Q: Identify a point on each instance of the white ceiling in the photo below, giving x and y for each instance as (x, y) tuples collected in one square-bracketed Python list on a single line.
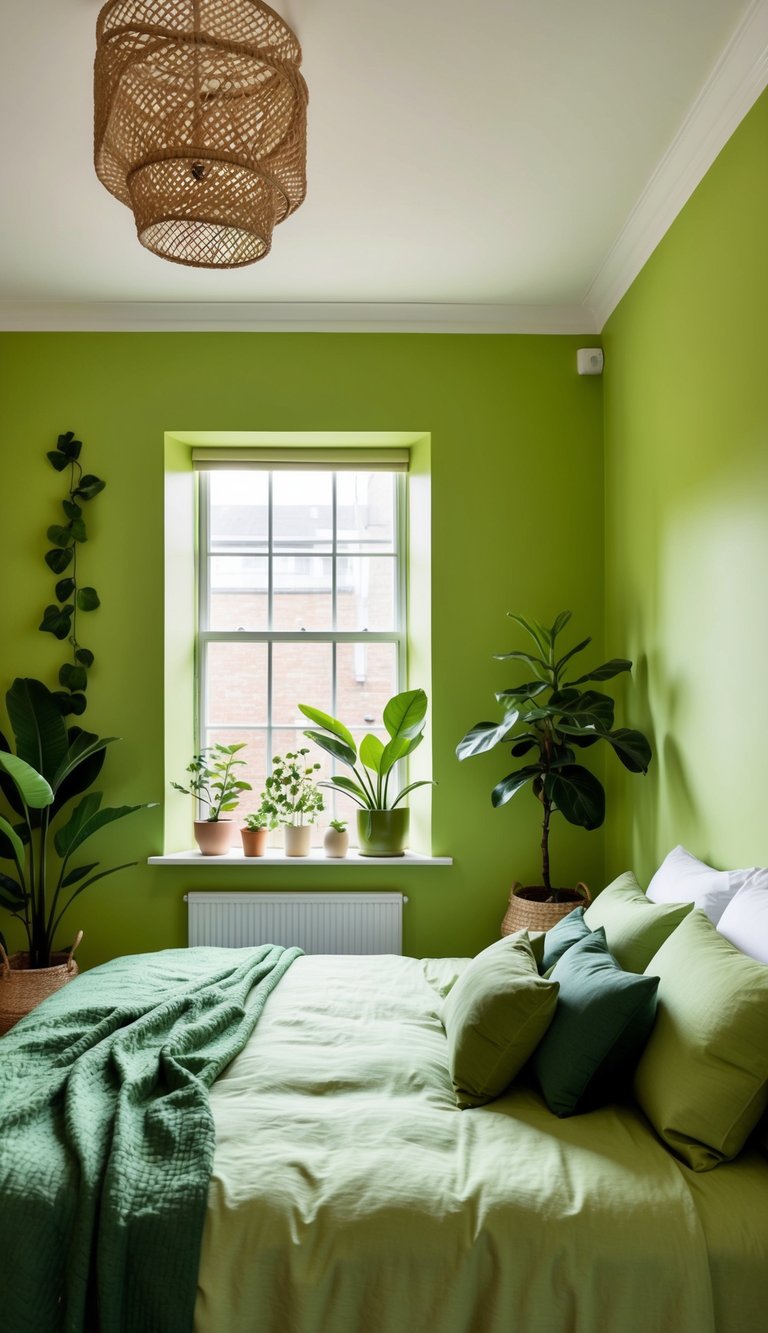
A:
[(502, 163)]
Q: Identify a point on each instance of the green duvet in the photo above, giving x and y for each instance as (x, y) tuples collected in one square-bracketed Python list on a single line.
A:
[(350, 1195)]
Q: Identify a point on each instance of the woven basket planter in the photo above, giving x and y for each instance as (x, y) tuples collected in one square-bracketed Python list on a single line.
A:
[(23, 987), (529, 909)]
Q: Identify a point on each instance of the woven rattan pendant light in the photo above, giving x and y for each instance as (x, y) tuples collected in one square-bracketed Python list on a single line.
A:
[(200, 124)]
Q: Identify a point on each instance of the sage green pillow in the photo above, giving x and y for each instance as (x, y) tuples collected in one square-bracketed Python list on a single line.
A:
[(494, 1018), (635, 928), (702, 1080)]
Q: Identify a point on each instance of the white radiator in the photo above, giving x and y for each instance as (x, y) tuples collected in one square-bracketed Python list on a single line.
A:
[(317, 922)]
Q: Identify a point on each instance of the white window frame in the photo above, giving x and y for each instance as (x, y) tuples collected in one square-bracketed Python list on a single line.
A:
[(270, 636)]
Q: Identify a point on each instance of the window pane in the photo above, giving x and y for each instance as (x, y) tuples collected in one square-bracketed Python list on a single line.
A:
[(238, 592), (303, 510), (365, 592), (239, 510), (365, 511), (366, 678), (302, 592), (236, 684), (301, 673)]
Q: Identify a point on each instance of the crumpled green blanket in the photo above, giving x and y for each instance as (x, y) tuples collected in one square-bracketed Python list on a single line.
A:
[(106, 1137)]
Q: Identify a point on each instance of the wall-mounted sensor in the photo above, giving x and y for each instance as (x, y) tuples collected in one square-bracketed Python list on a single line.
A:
[(589, 360)]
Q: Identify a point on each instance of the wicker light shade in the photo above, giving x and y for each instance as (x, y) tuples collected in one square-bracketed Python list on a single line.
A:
[(200, 124)]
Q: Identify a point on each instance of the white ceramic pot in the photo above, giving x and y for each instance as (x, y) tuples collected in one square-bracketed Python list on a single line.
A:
[(297, 839), (336, 842)]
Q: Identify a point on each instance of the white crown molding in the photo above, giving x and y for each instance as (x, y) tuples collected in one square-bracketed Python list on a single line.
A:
[(290, 317), (732, 88)]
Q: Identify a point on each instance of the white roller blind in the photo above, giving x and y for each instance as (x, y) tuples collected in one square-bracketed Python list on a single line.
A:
[(283, 459)]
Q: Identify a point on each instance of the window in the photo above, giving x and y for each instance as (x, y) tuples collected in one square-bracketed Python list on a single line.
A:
[(301, 600)]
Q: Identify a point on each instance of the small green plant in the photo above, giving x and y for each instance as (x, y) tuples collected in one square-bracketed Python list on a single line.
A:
[(404, 719), (259, 819), (292, 795), (340, 825), (51, 767), (60, 617), (551, 718), (212, 780)]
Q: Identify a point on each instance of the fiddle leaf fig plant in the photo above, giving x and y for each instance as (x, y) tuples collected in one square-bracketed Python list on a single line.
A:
[(51, 769), (549, 718), (405, 717), (60, 617)]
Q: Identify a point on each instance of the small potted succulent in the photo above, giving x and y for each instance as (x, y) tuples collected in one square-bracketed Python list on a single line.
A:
[(292, 798), (336, 840), (382, 823), (255, 831), (213, 783)]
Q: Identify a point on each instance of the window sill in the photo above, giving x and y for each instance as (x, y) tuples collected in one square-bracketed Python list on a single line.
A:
[(277, 858)]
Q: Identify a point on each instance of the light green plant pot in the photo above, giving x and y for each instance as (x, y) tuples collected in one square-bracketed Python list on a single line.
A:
[(383, 832)]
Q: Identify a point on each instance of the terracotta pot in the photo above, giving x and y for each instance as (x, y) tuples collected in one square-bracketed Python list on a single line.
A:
[(336, 842), (531, 908), (297, 839), (254, 841), (23, 987), (214, 836), (383, 832)]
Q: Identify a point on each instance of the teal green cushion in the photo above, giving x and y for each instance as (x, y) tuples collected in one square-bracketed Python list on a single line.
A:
[(703, 1077), (568, 930), (601, 1024), (634, 926), (494, 1018)]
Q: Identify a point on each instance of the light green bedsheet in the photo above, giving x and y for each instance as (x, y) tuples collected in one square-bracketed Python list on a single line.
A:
[(350, 1195)]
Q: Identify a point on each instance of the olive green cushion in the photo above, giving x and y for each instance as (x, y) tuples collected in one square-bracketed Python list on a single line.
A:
[(634, 926), (559, 938), (494, 1017), (702, 1080), (600, 1027)]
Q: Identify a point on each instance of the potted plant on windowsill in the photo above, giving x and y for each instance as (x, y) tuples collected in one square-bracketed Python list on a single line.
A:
[(382, 823), (292, 798), (52, 767), (255, 831), (336, 840), (213, 783), (550, 718)]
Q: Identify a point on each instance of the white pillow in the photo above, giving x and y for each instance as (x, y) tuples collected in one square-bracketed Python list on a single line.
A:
[(681, 878), (745, 920)]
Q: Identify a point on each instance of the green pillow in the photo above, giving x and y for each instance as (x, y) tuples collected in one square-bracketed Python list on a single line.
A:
[(601, 1024), (634, 926), (703, 1078), (568, 930), (494, 1018)]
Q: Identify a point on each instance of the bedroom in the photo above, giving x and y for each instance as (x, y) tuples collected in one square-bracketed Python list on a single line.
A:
[(653, 533)]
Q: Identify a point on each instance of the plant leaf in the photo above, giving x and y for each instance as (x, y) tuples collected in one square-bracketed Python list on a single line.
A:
[(538, 667), (58, 535), (541, 636), (82, 747), (577, 794), (71, 509), (77, 874), (41, 737), (351, 788), (512, 784), (632, 748), (371, 751), (57, 460), (73, 677), (69, 446), (579, 648), (84, 656), (87, 599), (64, 589), (333, 745), (529, 690), (74, 704), (85, 821), (59, 558), (484, 735), (88, 486), (561, 621), (57, 620), (405, 714), (607, 671), (395, 750), (33, 789), (15, 841), (12, 895), (590, 710), (422, 782), (329, 723)]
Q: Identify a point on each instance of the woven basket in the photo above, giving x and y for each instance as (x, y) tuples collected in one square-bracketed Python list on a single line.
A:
[(22, 987), (533, 912)]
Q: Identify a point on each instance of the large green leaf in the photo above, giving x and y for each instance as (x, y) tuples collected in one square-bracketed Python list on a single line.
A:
[(513, 783), (590, 710), (577, 794), (87, 820), (371, 752), (528, 690), (578, 648), (77, 873), (82, 747), (485, 735), (561, 621), (41, 736), (395, 750), (538, 667), (59, 558), (33, 789), (87, 599), (12, 896), (607, 671), (16, 846), (405, 714), (632, 748), (541, 636), (350, 788), (423, 782), (333, 745), (329, 723)]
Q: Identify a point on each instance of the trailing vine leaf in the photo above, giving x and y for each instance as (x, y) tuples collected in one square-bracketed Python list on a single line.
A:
[(65, 538)]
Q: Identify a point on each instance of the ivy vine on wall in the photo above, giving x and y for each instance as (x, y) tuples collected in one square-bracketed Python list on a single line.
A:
[(60, 618)]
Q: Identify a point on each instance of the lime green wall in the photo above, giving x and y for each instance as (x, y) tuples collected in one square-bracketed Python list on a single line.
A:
[(686, 437), (517, 505)]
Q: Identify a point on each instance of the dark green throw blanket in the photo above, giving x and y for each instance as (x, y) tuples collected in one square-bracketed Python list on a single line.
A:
[(106, 1138)]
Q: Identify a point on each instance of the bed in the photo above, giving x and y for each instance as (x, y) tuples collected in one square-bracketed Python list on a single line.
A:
[(347, 1193)]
